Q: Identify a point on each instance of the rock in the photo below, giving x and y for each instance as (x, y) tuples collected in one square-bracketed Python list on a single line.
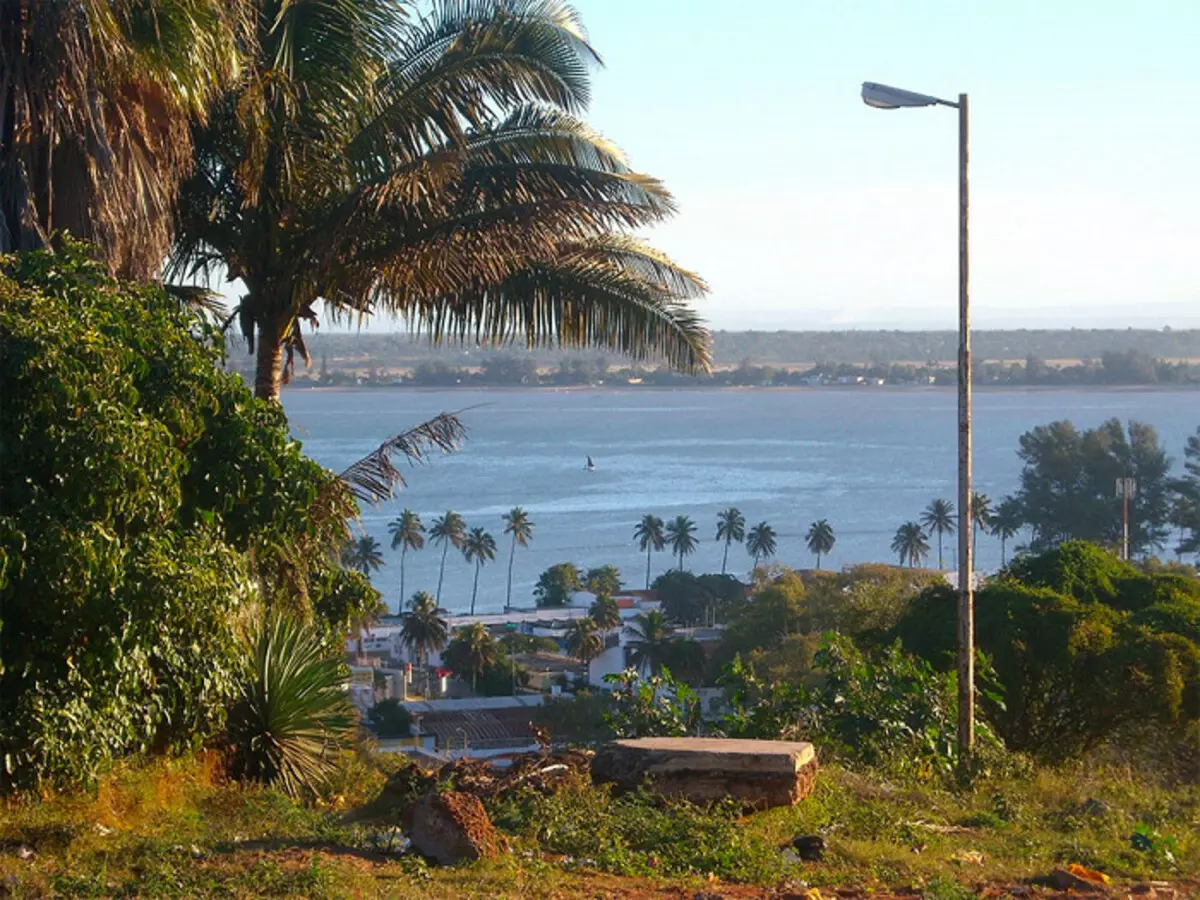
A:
[(452, 827), (810, 847), (1078, 879), (760, 774)]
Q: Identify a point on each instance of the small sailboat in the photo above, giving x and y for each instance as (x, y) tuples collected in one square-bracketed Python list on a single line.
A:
[(590, 467)]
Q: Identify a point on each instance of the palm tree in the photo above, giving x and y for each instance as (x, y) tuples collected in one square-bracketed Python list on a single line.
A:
[(408, 534), (447, 531), (363, 555), (473, 650), (584, 642), (911, 544), (97, 103), (681, 535), (650, 644), (430, 166), (649, 535), (938, 517), (731, 526), (518, 524), (479, 548), (423, 629), (1006, 523), (760, 542), (603, 580), (605, 612), (981, 518), (820, 539)]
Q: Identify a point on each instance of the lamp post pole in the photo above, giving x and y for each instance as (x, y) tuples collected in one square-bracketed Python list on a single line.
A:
[(882, 96)]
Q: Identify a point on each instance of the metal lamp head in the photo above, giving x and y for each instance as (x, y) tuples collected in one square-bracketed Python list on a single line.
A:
[(881, 96)]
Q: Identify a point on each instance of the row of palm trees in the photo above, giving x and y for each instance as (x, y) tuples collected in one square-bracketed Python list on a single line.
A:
[(911, 542), (652, 534)]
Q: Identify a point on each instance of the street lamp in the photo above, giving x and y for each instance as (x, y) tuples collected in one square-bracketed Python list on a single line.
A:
[(881, 96)]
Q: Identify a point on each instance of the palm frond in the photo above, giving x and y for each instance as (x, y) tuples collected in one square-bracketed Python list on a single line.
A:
[(207, 302), (375, 478)]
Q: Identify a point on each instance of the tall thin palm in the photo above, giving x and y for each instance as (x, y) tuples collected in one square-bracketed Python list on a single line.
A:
[(649, 645), (760, 542), (681, 535), (479, 548), (584, 641), (649, 535), (447, 531), (731, 526), (820, 539), (473, 650), (518, 524), (363, 554), (911, 544), (431, 166), (407, 534), (423, 629), (938, 518), (981, 518), (1007, 522)]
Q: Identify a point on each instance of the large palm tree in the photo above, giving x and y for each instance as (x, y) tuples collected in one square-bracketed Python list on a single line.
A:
[(605, 612), (407, 534), (363, 554), (649, 535), (447, 531), (981, 518), (760, 542), (473, 650), (1006, 523), (584, 641), (731, 526), (649, 645), (430, 166), (96, 103), (681, 535), (820, 539), (423, 630), (479, 548), (910, 544), (518, 524), (938, 518)]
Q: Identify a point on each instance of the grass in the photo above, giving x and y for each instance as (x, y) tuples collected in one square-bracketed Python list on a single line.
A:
[(177, 829)]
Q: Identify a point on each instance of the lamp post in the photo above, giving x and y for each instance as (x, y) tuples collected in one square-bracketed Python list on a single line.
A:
[(883, 97)]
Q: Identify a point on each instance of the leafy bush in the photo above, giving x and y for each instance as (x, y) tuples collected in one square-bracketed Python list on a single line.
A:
[(653, 706), (293, 718), (555, 586), (390, 719)]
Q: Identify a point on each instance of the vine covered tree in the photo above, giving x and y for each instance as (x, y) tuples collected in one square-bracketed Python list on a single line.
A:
[(938, 518), (760, 542), (479, 547), (650, 537), (423, 629), (681, 535), (407, 534), (731, 528), (820, 539), (518, 524), (447, 531), (431, 166), (911, 544)]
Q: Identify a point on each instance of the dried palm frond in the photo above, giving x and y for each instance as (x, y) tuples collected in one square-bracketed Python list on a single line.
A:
[(375, 478)]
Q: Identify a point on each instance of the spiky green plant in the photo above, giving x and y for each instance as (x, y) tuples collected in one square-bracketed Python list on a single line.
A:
[(293, 717)]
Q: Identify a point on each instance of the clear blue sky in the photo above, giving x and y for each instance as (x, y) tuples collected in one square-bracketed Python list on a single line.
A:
[(806, 209)]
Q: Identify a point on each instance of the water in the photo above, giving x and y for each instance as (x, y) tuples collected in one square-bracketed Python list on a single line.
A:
[(866, 459)]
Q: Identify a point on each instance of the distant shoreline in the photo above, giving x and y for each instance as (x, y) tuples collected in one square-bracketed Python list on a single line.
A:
[(789, 388)]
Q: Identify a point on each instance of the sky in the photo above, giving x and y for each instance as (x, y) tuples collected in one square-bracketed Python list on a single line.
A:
[(805, 209)]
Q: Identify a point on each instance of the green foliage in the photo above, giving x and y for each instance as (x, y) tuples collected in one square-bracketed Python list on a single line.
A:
[(603, 581), (684, 599), (389, 719), (139, 481), (292, 718), (862, 601), (763, 622), (556, 585), (1083, 646), (651, 706)]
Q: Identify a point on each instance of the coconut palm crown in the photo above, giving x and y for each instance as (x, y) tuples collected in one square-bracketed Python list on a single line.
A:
[(820, 539), (407, 534), (731, 527), (518, 524), (938, 518), (650, 537), (681, 535)]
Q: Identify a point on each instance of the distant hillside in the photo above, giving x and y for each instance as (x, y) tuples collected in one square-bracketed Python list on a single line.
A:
[(782, 348)]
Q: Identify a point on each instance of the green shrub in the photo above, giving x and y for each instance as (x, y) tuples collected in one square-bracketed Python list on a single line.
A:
[(390, 719), (292, 719)]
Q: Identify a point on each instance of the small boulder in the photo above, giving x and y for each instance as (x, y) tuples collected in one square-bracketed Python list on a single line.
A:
[(453, 827), (809, 847)]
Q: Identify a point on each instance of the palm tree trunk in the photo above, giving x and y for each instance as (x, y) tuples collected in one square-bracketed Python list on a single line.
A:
[(512, 555), (442, 572), (818, 562), (475, 589), (725, 556), (940, 566), (647, 568), (268, 360), (1003, 555), (403, 553)]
